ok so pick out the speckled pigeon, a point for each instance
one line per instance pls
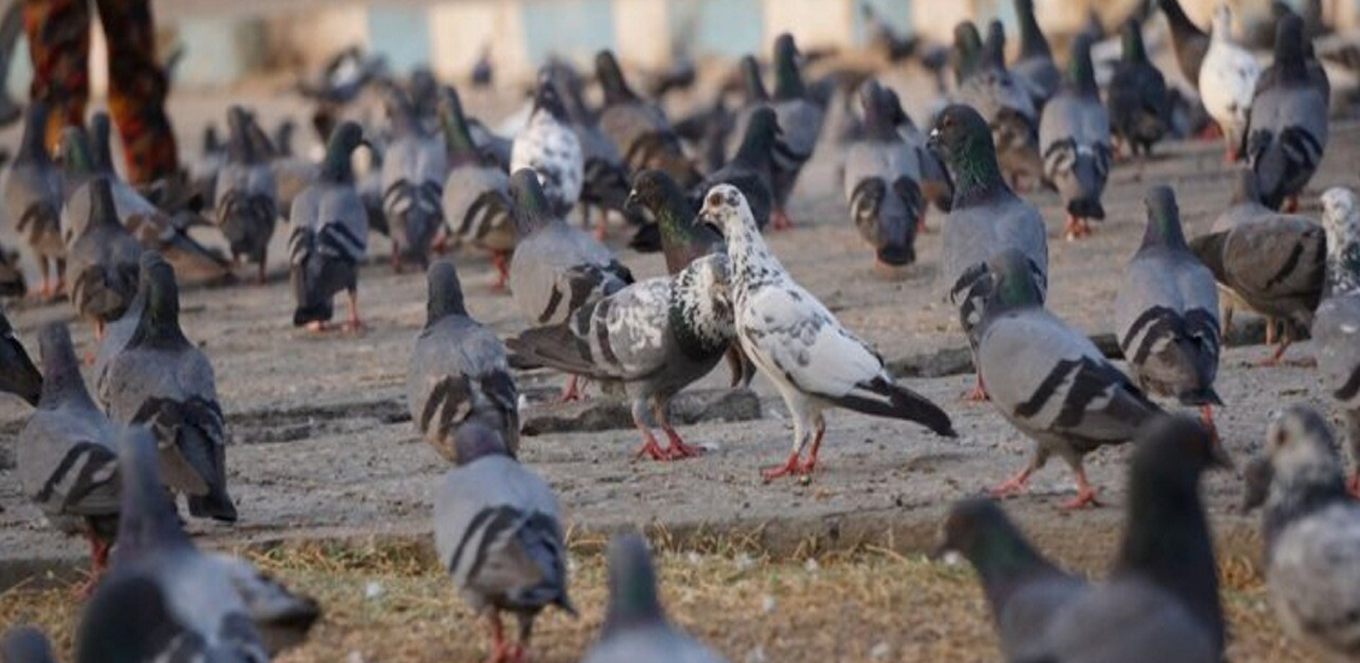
(1287, 132)
(635, 626)
(163, 380)
(458, 371)
(549, 147)
(1227, 81)
(498, 532)
(1336, 327)
(1049, 380)
(330, 235)
(814, 362)
(247, 194)
(33, 198)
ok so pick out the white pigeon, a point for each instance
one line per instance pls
(550, 148)
(1227, 81)
(795, 341)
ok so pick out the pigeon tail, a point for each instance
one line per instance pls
(1086, 208)
(882, 397)
(207, 458)
(558, 347)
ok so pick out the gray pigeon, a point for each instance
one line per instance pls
(1244, 206)
(1161, 600)
(882, 184)
(549, 147)
(67, 453)
(814, 363)
(162, 599)
(330, 236)
(163, 380)
(984, 219)
(1074, 138)
(635, 626)
(18, 375)
(1035, 67)
(800, 124)
(1049, 380)
(498, 531)
(751, 169)
(102, 259)
(246, 202)
(1312, 535)
(1166, 312)
(1007, 107)
(1274, 264)
(458, 371)
(1287, 129)
(32, 197)
(1136, 97)
(476, 202)
(414, 167)
(1024, 590)
(1338, 316)
(655, 337)
(638, 128)
(26, 644)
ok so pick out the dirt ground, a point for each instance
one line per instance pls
(325, 457)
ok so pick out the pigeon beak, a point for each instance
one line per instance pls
(630, 204)
(933, 140)
(705, 218)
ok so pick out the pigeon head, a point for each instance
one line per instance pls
(757, 144)
(1014, 282)
(446, 294)
(147, 520)
(964, 141)
(967, 49)
(25, 644)
(1080, 73)
(1163, 218)
(726, 209)
(159, 325)
(546, 98)
(1246, 188)
(1222, 22)
(457, 137)
(1299, 467)
(401, 111)
(1032, 40)
(343, 141)
(1289, 56)
(531, 205)
(979, 530)
(788, 78)
(894, 105)
(1341, 221)
(1131, 39)
(658, 192)
(61, 368)
(475, 440)
(616, 90)
(633, 599)
(751, 80)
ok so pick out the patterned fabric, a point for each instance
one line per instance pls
(59, 44)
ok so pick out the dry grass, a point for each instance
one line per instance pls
(390, 603)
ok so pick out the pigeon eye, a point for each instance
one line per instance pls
(714, 199)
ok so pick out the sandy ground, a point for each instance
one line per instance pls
(323, 448)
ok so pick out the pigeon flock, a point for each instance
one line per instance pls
(110, 463)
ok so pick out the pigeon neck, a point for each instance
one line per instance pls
(750, 258)
(32, 148)
(633, 599)
(1167, 542)
(757, 145)
(101, 152)
(103, 212)
(788, 81)
(1221, 28)
(681, 237)
(335, 167)
(62, 383)
(403, 118)
(967, 50)
(1289, 55)
(1080, 71)
(446, 299)
(75, 156)
(1181, 25)
(977, 175)
(699, 311)
(1343, 261)
(752, 82)
(1004, 561)
(1032, 40)
(148, 521)
(616, 90)
(159, 325)
(1134, 51)
(531, 213)
(1164, 229)
(457, 137)
(879, 122)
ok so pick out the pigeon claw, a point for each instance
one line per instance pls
(678, 450)
(1086, 494)
(650, 448)
(779, 220)
(978, 393)
(1014, 485)
(790, 467)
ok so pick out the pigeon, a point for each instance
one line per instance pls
(153, 227)
(247, 194)
(476, 200)
(458, 371)
(102, 258)
(1311, 530)
(32, 198)
(549, 147)
(966, 53)
(639, 129)
(800, 124)
(1024, 590)
(1227, 81)
(162, 599)
(330, 235)
(1274, 264)
(936, 186)
(1074, 138)
(984, 219)
(635, 626)
(1136, 99)
(163, 380)
(18, 375)
(212, 153)
(1190, 43)
(498, 531)
(814, 363)
(1244, 206)
(67, 454)
(1049, 380)
(751, 169)
(1035, 67)
(1161, 600)
(1166, 312)
(482, 70)
(1287, 130)
(12, 282)
(882, 186)
(25, 644)
(655, 337)
(1007, 106)
(1338, 316)
(414, 166)
(605, 184)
